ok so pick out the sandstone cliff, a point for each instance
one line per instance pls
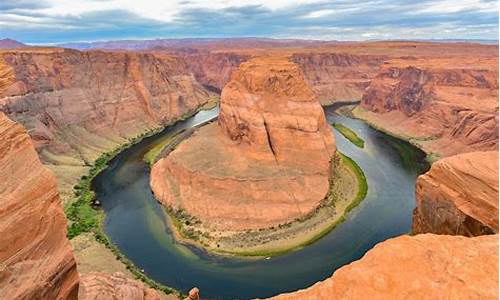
(338, 76)
(77, 105)
(267, 160)
(459, 196)
(425, 266)
(446, 106)
(35, 257)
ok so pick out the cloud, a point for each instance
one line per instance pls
(71, 20)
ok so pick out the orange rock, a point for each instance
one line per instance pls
(100, 286)
(36, 261)
(445, 106)
(266, 162)
(459, 196)
(78, 105)
(425, 266)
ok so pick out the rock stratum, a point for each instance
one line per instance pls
(267, 160)
(36, 261)
(78, 105)
(445, 106)
(425, 266)
(101, 286)
(459, 196)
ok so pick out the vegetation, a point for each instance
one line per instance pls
(152, 154)
(350, 135)
(362, 183)
(84, 214)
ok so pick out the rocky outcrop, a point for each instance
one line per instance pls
(444, 107)
(35, 257)
(459, 196)
(212, 69)
(267, 160)
(338, 76)
(77, 105)
(100, 286)
(425, 266)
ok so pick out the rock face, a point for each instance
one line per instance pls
(77, 105)
(266, 162)
(338, 76)
(425, 266)
(35, 257)
(459, 196)
(100, 286)
(444, 106)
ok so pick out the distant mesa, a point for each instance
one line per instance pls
(11, 44)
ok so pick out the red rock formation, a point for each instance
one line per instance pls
(459, 196)
(420, 267)
(442, 106)
(213, 69)
(100, 286)
(35, 257)
(266, 163)
(338, 76)
(77, 105)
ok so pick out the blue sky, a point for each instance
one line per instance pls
(55, 21)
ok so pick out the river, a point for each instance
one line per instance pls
(135, 222)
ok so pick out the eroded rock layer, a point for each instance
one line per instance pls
(77, 105)
(446, 106)
(425, 266)
(100, 286)
(267, 160)
(459, 196)
(35, 257)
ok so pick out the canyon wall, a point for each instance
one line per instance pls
(35, 257)
(445, 106)
(338, 76)
(77, 105)
(459, 196)
(425, 266)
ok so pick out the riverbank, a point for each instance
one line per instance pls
(419, 142)
(348, 187)
(85, 216)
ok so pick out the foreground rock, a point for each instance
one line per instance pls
(35, 257)
(459, 196)
(266, 162)
(425, 266)
(78, 105)
(100, 286)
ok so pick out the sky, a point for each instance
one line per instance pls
(58, 21)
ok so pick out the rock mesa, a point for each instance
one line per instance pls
(264, 163)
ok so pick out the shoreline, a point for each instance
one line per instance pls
(431, 157)
(85, 216)
(284, 238)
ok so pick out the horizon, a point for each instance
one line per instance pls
(56, 22)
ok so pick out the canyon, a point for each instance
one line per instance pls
(78, 105)
(266, 163)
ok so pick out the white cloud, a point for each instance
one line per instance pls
(454, 6)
